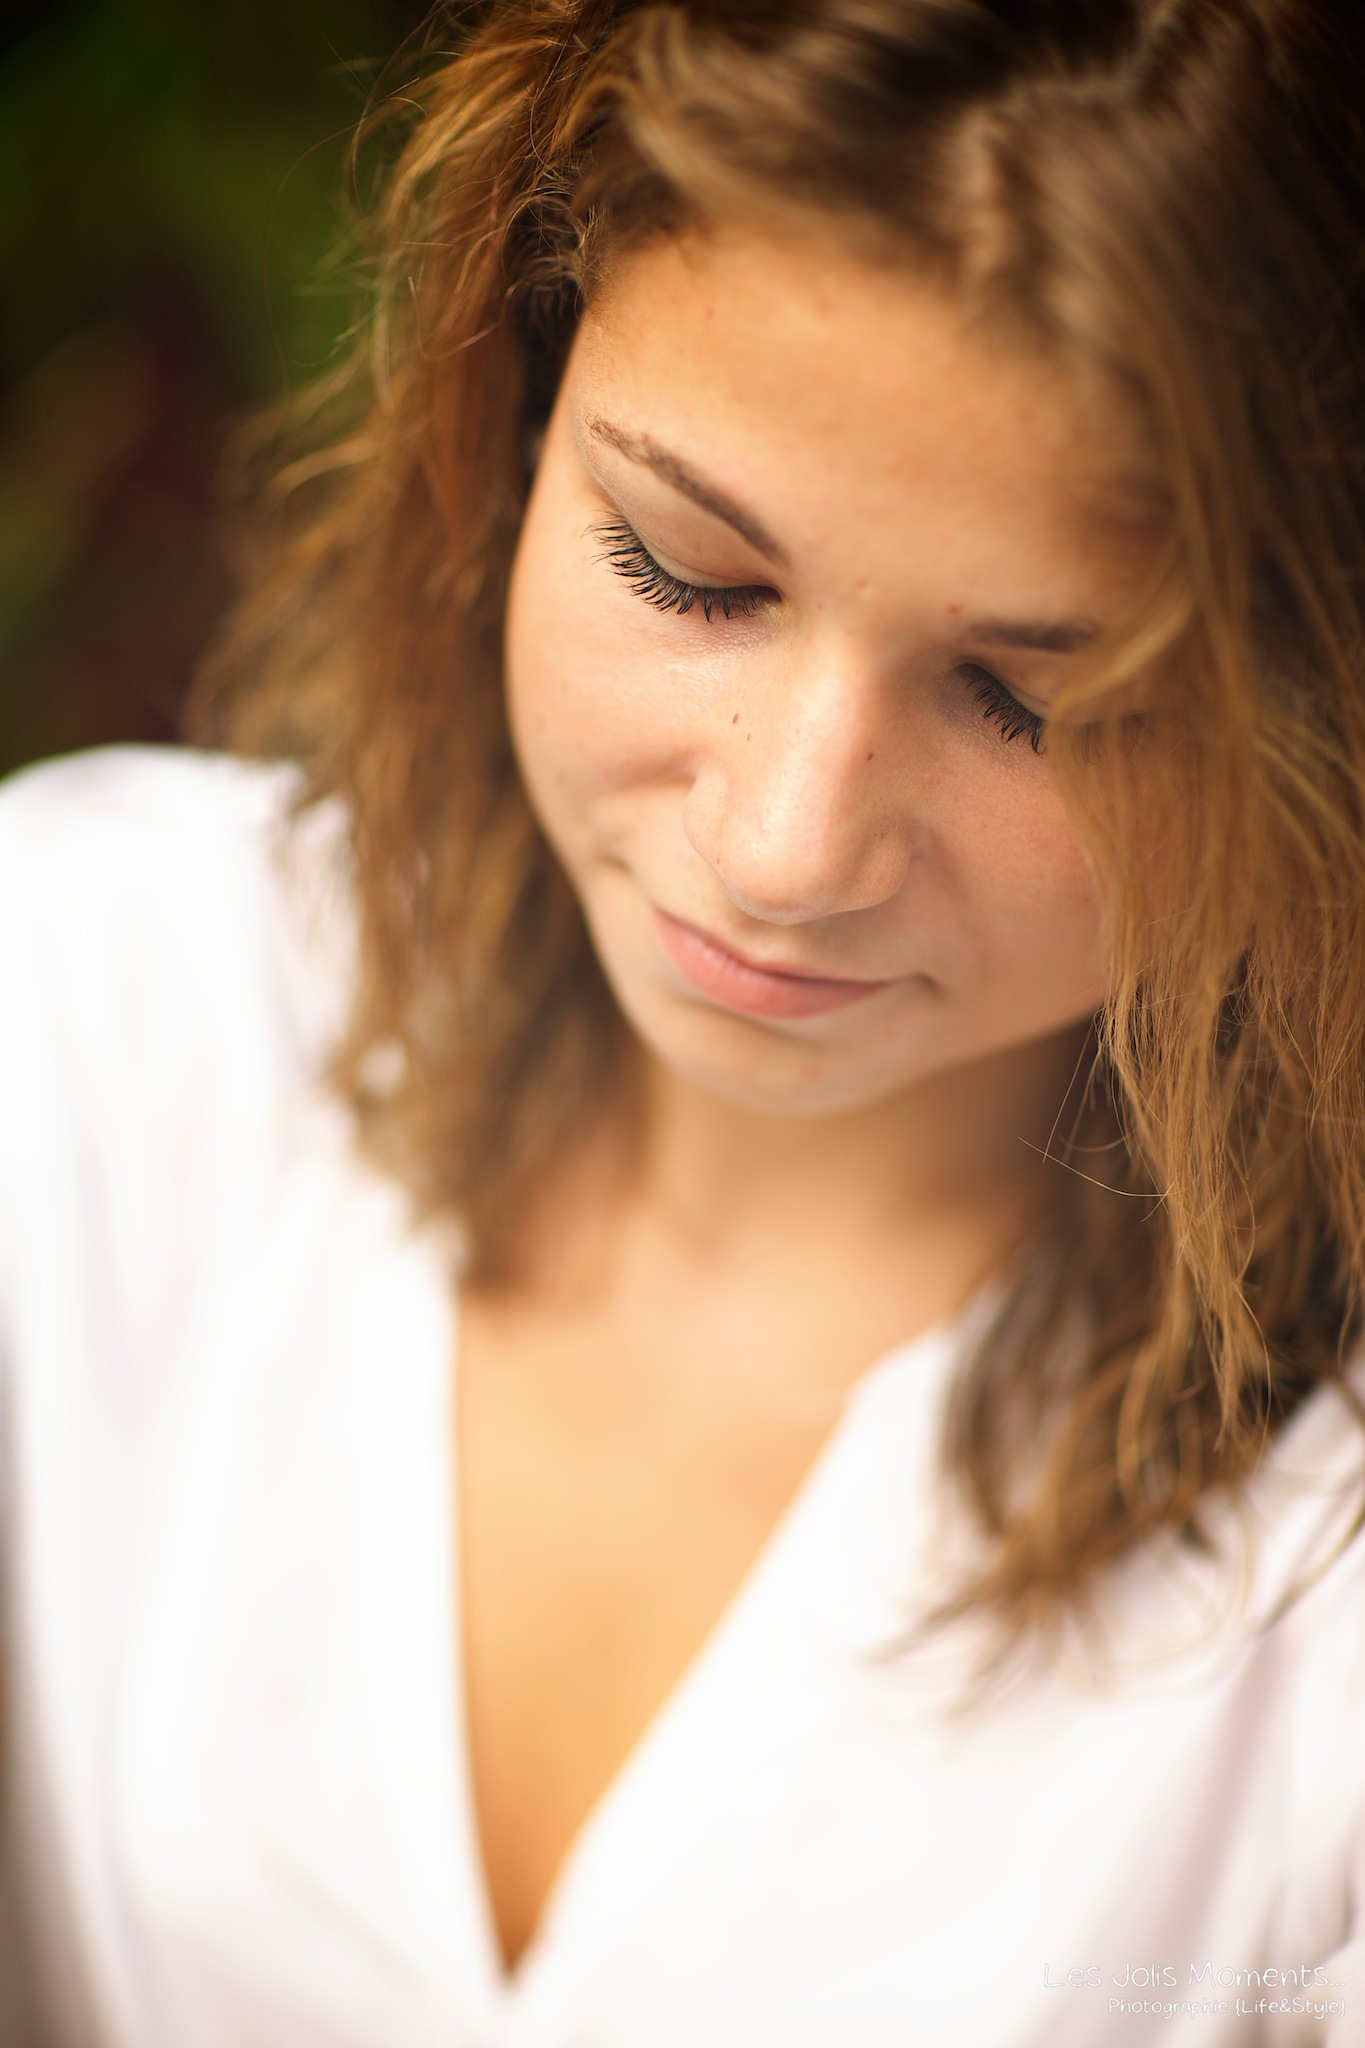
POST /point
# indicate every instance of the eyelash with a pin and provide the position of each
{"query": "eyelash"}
(628, 556)
(1015, 720)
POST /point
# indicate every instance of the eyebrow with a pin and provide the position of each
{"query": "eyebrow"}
(1046, 636)
(664, 463)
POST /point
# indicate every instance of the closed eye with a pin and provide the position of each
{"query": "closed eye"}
(997, 702)
(631, 559)
(628, 556)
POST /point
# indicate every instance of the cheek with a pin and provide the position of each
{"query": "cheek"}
(1023, 866)
(1051, 865)
(553, 663)
(593, 702)
(1021, 836)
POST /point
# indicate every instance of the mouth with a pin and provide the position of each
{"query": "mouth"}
(737, 983)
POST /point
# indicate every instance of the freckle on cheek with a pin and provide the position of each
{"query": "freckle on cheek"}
(735, 719)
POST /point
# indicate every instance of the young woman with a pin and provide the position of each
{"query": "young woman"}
(683, 1215)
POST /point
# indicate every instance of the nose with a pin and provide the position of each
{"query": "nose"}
(800, 808)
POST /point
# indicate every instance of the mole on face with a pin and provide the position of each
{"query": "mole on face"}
(893, 878)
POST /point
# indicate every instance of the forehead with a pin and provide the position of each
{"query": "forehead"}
(819, 377)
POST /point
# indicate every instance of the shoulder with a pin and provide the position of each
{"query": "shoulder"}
(139, 884)
(74, 831)
(141, 783)
(186, 827)
(175, 959)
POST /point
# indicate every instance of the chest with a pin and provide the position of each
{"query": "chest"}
(605, 1526)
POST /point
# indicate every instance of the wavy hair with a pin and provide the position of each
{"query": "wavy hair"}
(1164, 198)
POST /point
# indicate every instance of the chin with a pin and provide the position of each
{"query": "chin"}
(768, 1075)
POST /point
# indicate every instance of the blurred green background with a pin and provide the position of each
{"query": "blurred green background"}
(173, 181)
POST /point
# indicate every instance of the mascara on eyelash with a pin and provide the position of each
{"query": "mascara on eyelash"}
(632, 561)
(1014, 719)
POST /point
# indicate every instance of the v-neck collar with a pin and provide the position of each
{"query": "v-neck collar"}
(420, 1697)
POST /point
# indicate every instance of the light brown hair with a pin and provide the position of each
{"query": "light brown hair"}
(1164, 197)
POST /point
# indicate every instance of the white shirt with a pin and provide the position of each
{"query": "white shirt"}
(238, 1787)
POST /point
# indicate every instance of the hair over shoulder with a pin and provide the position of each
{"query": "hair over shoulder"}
(1166, 198)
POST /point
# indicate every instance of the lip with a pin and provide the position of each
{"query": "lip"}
(739, 984)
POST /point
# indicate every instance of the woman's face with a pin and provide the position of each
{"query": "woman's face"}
(829, 781)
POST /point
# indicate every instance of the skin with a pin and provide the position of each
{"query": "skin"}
(816, 783)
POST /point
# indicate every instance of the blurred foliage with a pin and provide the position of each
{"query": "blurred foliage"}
(171, 181)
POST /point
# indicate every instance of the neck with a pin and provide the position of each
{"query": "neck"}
(734, 1182)
(679, 1182)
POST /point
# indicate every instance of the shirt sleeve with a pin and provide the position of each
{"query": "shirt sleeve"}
(24, 805)
(132, 901)
(1331, 1764)
(11, 985)
(1343, 1970)
(1344, 1992)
